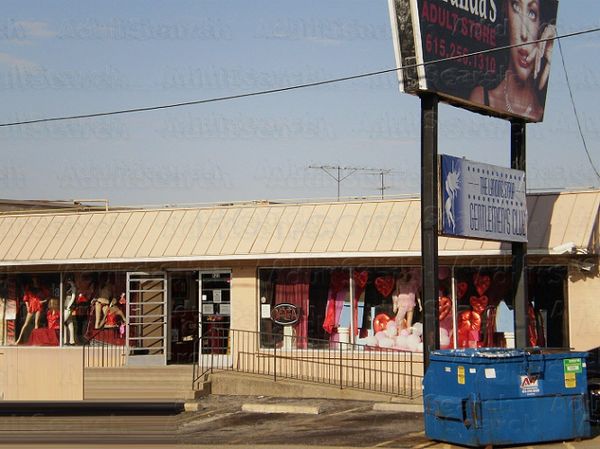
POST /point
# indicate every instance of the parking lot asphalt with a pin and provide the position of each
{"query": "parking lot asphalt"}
(235, 422)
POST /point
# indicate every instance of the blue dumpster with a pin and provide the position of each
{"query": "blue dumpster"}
(496, 396)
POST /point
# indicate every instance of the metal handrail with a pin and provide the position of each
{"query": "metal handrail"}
(100, 354)
(344, 365)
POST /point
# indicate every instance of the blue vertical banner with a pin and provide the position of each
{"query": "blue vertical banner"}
(482, 201)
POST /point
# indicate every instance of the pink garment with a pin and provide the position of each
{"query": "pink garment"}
(404, 298)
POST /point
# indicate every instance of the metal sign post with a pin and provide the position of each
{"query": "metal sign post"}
(429, 223)
(519, 249)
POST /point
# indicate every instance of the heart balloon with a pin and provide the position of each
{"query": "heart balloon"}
(461, 289)
(445, 307)
(380, 322)
(385, 285)
(468, 323)
(482, 283)
(479, 304)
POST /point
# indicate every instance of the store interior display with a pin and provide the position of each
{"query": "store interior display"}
(381, 307)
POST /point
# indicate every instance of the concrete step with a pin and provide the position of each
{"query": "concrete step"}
(167, 382)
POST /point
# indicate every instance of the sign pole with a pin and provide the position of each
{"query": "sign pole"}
(429, 223)
(519, 250)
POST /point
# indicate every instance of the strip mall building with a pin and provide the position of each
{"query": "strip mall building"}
(155, 281)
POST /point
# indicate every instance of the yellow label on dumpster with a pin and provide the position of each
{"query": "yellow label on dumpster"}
(570, 380)
(461, 375)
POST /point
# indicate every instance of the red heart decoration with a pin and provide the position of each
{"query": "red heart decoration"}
(461, 289)
(445, 307)
(385, 285)
(361, 278)
(479, 304)
(468, 322)
(482, 283)
(380, 322)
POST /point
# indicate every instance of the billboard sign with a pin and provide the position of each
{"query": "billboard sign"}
(482, 201)
(505, 83)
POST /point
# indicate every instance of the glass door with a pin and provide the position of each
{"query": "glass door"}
(146, 318)
(183, 304)
(215, 316)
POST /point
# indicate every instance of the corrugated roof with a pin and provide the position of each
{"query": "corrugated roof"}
(255, 231)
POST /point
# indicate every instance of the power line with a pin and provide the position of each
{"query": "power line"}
(587, 152)
(289, 88)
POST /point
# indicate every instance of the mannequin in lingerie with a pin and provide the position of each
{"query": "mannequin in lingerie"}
(68, 321)
(102, 302)
(35, 304)
(111, 315)
(404, 298)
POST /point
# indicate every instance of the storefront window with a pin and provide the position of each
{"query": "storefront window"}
(389, 311)
(381, 307)
(547, 313)
(94, 308)
(30, 310)
(485, 309)
(375, 307)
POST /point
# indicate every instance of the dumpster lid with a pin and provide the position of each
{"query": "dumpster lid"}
(488, 353)
(503, 353)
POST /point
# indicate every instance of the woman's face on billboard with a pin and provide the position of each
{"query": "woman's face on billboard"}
(524, 26)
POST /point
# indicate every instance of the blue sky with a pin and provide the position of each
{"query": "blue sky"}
(76, 57)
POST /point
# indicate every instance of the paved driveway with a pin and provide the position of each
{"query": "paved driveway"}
(221, 422)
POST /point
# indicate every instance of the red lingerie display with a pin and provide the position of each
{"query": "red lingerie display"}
(53, 318)
(33, 302)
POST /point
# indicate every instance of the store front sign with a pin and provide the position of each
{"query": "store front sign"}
(482, 201)
(459, 50)
(285, 314)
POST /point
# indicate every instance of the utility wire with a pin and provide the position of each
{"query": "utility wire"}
(289, 88)
(562, 57)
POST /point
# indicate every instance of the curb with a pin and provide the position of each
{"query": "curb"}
(281, 408)
(90, 408)
(191, 407)
(403, 408)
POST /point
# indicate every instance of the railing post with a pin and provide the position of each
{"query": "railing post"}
(341, 367)
(274, 361)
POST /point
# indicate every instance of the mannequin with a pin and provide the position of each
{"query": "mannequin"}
(68, 321)
(404, 298)
(102, 302)
(53, 315)
(32, 299)
(111, 315)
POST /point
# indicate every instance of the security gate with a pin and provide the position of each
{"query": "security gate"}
(147, 318)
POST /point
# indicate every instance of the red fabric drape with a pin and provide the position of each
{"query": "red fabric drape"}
(360, 283)
(292, 287)
(337, 284)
